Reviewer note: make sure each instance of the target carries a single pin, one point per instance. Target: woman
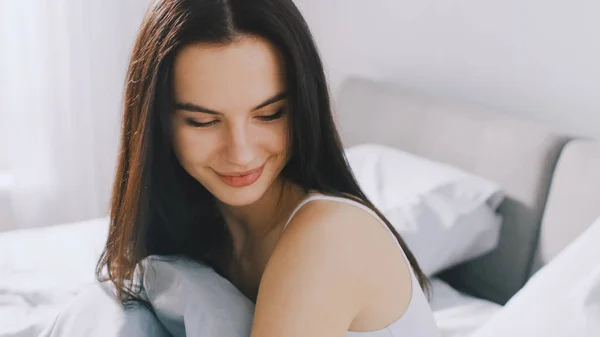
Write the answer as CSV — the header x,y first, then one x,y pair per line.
x,y
230,156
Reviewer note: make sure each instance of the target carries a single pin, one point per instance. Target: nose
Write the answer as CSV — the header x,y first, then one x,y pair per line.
x,y
239,149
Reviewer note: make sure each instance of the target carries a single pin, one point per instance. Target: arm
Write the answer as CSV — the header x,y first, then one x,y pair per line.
x,y
314,284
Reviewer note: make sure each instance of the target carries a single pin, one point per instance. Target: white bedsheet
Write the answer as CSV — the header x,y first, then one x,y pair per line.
x,y
562,299
41,270
458,314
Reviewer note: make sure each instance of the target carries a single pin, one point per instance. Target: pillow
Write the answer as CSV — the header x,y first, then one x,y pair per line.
x,y
188,299
191,298
562,299
445,215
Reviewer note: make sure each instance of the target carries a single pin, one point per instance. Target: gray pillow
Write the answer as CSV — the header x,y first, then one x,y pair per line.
x,y
188,298
95,312
191,298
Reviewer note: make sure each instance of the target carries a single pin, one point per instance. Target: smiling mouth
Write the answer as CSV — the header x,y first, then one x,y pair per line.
x,y
241,179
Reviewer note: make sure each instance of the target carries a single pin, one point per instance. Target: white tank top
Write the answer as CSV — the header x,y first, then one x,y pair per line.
x,y
417,320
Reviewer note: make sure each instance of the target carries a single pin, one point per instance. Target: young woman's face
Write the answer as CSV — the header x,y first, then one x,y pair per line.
x,y
230,122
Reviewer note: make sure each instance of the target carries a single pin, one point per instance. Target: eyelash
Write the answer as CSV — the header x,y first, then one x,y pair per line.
x,y
195,124
268,118
272,117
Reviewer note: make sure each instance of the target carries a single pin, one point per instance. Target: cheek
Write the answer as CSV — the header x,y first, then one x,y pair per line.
x,y
278,141
191,146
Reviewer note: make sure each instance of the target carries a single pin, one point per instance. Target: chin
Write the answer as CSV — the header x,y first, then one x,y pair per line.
x,y
238,197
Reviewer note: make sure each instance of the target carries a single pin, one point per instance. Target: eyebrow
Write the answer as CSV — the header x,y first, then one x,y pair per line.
x,y
197,108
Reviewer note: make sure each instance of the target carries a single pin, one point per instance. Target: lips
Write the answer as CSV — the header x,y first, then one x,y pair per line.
x,y
241,179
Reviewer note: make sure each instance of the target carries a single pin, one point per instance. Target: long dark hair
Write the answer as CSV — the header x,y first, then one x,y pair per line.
x,y
157,208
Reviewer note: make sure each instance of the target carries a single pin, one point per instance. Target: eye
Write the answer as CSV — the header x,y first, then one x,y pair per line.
x,y
196,124
272,117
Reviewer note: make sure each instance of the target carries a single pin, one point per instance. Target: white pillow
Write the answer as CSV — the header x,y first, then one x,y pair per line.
x,y
561,299
192,299
446,215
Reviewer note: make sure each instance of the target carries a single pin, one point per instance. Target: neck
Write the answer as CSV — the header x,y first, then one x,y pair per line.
x,y
266,214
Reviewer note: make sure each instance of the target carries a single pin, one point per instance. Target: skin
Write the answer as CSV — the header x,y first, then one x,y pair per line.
x,y
335,268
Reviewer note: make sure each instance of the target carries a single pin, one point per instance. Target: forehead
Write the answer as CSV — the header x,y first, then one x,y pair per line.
x,y
228,77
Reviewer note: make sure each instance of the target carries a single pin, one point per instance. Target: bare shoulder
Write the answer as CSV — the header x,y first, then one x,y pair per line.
x,y
338,224
352,239
342,259
334,231
338,215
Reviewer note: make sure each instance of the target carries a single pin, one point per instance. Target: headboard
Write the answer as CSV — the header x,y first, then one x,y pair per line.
x,y
573,201
520,156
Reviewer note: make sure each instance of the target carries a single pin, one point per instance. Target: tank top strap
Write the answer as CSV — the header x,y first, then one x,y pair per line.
x,y
306,200
313,197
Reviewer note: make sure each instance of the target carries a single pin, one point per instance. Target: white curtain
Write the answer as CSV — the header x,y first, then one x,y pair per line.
x,y
63,69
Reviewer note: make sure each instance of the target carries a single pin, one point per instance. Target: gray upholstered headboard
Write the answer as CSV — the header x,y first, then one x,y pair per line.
x,y
574,199
521,156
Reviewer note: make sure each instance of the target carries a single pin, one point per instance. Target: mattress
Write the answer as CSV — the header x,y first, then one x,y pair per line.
x,y
42,270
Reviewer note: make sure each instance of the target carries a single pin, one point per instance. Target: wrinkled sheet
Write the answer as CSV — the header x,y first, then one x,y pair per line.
x,y
458,314
42,270
561,299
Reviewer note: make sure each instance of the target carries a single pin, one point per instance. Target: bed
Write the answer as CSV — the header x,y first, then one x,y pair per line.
x,y
550,180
